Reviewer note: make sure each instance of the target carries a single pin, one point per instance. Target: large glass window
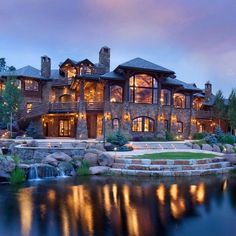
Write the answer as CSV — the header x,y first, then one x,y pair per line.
x,y
116,93
143,124
179,100
31,85
165,97
143,89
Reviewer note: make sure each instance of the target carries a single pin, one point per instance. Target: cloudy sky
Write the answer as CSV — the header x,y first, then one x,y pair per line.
x,y
196,39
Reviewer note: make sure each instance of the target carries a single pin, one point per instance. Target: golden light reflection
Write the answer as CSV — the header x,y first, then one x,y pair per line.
x,y
65,221
131,213
26,207
177,208
225,185
160,192
51,195
200,194
107,200
193,189
114,193
174,191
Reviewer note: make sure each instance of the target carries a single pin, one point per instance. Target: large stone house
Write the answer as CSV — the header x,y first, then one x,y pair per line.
x,y
85,100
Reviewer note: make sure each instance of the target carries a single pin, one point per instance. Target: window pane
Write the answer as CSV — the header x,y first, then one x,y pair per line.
x,y
165,97
148,125
143,81
154,96
137,125
31,85
179,100
116,93
131,94
179,127
115,124
143,95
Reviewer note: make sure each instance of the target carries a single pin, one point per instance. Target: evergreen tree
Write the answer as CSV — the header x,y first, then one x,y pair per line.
x,y
219,108
3,66
10,100
232,109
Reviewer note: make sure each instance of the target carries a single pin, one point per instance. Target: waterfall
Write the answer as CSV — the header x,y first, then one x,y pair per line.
x,y
61,173
33,173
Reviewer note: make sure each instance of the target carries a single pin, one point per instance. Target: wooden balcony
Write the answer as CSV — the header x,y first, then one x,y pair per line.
x,y
94,106
200,114
61,107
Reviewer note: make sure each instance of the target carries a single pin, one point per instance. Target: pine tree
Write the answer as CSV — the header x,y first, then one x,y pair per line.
x,y
232,109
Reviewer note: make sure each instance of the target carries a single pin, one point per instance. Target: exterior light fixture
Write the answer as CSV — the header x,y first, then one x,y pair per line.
x,y
127,116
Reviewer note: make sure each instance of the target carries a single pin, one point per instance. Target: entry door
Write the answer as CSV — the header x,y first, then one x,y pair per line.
x,y
92,125
64,128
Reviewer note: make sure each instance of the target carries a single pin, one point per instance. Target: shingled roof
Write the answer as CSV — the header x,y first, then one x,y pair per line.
x,y
113,76
141,64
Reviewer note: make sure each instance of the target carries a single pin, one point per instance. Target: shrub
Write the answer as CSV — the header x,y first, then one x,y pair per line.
x,y
16,159
211,139
34,131
83,169
228,138
234,149
117,139
221,147
17,176
198,136
218,133
125,149
170,136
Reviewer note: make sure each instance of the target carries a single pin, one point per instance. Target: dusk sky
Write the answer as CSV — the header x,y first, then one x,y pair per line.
x,y
195,38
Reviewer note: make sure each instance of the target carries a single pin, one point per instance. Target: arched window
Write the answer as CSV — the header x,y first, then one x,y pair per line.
x,y
179,100
165,97
143,124
65,98
116,124
116,93
143,89
180,127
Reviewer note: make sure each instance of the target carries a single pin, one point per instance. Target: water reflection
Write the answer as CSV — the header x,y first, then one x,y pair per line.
x,y
109,206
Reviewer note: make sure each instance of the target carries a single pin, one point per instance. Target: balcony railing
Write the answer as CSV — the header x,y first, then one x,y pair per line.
x,y
63,106
200,114
94,106
74,106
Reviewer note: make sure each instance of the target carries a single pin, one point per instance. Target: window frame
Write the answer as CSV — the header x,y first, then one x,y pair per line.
x,y
182,127
143,118
169,97
122,95
113,126
153,89
32,89
183,102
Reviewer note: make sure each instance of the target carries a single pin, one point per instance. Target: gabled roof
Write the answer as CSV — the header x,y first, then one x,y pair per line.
x,y
113,76
141,64
26,71
75,63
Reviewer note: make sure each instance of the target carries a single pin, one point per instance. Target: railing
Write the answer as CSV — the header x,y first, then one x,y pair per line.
x,y
63,106
200,114
94,106
74,106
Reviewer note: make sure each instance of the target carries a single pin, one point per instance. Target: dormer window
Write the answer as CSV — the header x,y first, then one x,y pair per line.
x,y
31,85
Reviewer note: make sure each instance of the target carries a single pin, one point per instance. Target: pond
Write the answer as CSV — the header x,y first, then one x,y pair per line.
x,y
110,205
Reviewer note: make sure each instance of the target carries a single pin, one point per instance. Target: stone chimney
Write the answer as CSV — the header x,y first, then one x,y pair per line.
x,y
45,66
104,58
208,90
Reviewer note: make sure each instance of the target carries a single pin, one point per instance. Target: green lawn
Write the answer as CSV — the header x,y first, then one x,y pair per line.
x,y
175,155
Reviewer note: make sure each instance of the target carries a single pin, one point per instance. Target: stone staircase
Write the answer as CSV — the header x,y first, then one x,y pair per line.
x,y
146,167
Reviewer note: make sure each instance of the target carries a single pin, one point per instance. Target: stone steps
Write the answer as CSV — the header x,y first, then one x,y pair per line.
x,y
171,173
146,167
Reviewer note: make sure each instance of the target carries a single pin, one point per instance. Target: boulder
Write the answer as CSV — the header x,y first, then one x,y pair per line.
x,y
23,166
105,159
77,163
39,155
77,154
66,167
91,159
4,177
50,160
60,156
109,147
206,147
231,158
93,150
216,148
7,165
97,170
196,146
228,148
32,143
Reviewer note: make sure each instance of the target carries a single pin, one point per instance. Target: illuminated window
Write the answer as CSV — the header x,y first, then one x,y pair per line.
x,y
143,124
165,97
2,87
85,69
179,127
29,107
31,85
116,93
116,124
179,100
143,89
